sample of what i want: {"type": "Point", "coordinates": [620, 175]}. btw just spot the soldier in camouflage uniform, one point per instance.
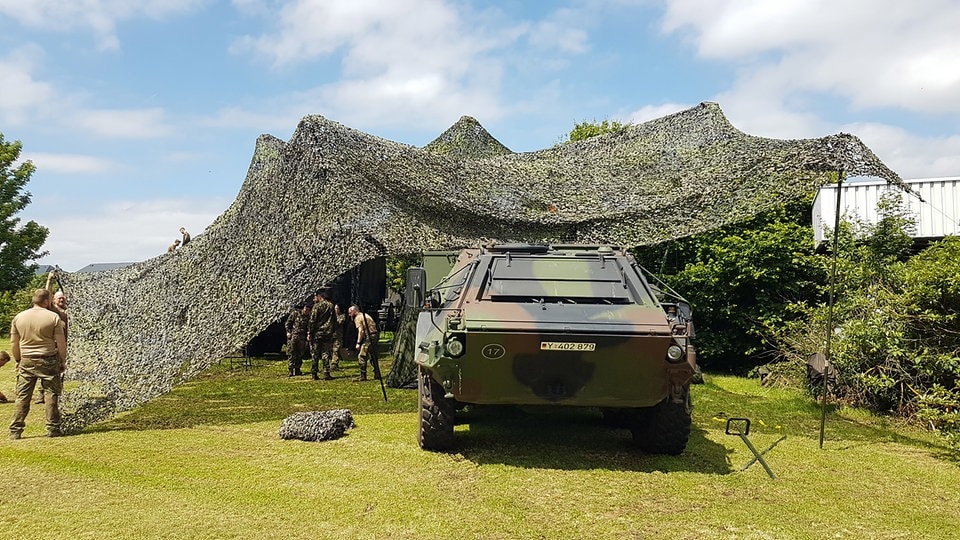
{"type": "Point", "coordinates": [338, 319]}
{"type": "Point", "coordinates": [320, 335]}
{"type": "Point", "coordinates": [297, 326]}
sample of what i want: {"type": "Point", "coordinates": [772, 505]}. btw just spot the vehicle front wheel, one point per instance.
{"type": "Point", "coordinates": [663, 428]}
{"type": "Point", "coordinates": [436, 414]}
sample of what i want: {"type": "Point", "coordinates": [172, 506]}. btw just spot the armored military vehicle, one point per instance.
{"type": "Point", "coordinates": [518, 324]}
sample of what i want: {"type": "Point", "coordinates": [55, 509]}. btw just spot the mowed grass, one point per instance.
{"type": "Point", "coordinates": [206, 461]}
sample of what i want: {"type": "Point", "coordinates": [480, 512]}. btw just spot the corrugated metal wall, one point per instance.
{"type": "Point", "coordinates": [937, 215]}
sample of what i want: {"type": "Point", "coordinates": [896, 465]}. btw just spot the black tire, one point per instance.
{"type": "Point", "coordinates": [663, 428]}
{"type": "Point", "coordinates": [436, 414]}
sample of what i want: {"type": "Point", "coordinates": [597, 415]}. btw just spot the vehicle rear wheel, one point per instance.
{"type": "Point", "coordinates": [663, 428]}
{"type": "Point", "coordinates": [436, 414]}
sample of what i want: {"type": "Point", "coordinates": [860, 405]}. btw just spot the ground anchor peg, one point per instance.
{"type": "Point", "coordinates": [741, 428]}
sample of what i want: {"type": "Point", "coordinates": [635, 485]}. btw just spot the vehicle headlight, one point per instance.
{"type": "Point", "coordinates": [454, 346]}
{"type": "Point", "coordinates": [674, 353]}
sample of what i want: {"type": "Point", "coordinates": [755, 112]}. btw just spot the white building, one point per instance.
{"type": "Point", "coordinates": [937, 214]}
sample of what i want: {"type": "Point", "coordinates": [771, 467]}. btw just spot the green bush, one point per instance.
{"type": "Point", "coordinates": [896, 323]}
{"type": "Point", "coordinates": [743, 280]}
{"type": "Point", "coordinates": [13, 302]}
{"type": "Point", "coordinates": [939, 409]}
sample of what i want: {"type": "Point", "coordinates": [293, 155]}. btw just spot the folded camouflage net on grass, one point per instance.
{"type": "Point", "coordinates": [317, 425]}
{"type": "Point", "coordinates": [332, 197]}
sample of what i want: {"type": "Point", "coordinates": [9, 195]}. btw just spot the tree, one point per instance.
{"type": "Point", "coordinates": [743, 281]}
{"type": "Point", "coordinates": [13, 302]}
{"type": "Point", "coordinates": [585, 130]}
{"type": "Point", "coordinates": [18, 244]}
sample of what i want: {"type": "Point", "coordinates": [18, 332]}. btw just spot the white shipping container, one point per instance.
{"type": "Point", "coordinates": [937, 215]}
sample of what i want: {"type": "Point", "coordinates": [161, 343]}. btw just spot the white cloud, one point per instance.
{"type": "Point", "coordinates": [561, 32]}
{"type": "Point", "coordinates": [407, 62]}
{"type": "Point", "coordinates": [651, 112]}
{"type": "Point", "coordinates": [23, 94]}
{"type": "Point", "coordinates": [122, 123]}
{"type": "Point", "coordinates": [756, 108]}
{"type": "Point", "coordinates": [406, 101]}
{"type": "Point", "coordinates": [893, 54]}
{"type": "Point", "coordinates": [121, 231]}
{"type": "Point", "coordinates": [910, 155]}
{"type": "Point", "coordinates": [308, 30]}
{"type": "Point", "coordinates": [26, 99]}
{"type": "Point", "coordinates": [793, 57]}
{"type": "Point", "coordinates": [278, 116]}
{"type": "Point", "coordinates": [97, 16]}
{"type": "Point", "coordinates": [70, 163]}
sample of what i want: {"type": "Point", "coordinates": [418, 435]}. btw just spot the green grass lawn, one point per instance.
{"type": "Point", "coordinates": [206, 461]}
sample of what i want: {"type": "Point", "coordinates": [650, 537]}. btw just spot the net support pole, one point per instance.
{"type": "Point", "coordinates": [828, 357]}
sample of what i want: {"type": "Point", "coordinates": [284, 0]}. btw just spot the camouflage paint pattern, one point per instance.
{"type": "Point", "coordinates": [568, 326]}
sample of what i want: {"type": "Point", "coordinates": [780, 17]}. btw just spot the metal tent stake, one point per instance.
{"type": "Point", "coordinates": [741, 428]}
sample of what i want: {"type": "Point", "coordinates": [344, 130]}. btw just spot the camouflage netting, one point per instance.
{"type": "Point", "coordinates": [332, 197]}
{"type": "Point", "coordinates": [317, 425]}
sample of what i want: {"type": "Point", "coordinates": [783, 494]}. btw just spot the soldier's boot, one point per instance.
{"type": "Point", "coordinates": [290, 371]}
{"type": "Point", "coordinates": [316, 377]}
{"type": "Point", "coordinates": [335, 365]}
{"type": "Point", "coordinates": [326, 376]}
{"type": "Point", "coordinates": [297, 372]}
{"type": "Point", "coordinates": [362, 377]}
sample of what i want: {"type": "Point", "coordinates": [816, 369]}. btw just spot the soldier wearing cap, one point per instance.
{"type": "Point", "coordinates": [39, 347]}
{"type": "Point", "coordinates": [297, 325]}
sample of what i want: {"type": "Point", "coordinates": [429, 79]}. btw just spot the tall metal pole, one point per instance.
{"type": "Point", "coordinates": [828, 358]}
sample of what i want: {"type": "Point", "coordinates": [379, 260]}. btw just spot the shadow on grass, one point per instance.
{"type": "Point", "coordinates": [853, 433]}
{"type": "Point", "coordinates": [573, 439]}
{"type": "Point", "coordinates": [799, 414]}
{"type": "Point", "coordinates": [224, 395]}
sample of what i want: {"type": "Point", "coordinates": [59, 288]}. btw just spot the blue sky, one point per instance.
{"type": "Point", "coordinates": [141, 116]}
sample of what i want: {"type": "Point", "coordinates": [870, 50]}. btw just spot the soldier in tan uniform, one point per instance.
{"type": "Point", "coordinates": [368, 336]}
{"type": "Point", "coordinates": [59, 306]}
{"type": "Point", "coordinates": [39, 347]}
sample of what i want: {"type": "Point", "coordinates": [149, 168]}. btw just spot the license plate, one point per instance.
{"type": "Point", "coordinates": [567, 346]}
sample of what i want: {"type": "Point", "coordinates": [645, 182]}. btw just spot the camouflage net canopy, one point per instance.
{"type": "Point", "coordinates": [332, 197]}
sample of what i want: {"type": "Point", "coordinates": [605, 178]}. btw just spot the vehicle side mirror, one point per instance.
{"type": "Point", "coordinates": [685, 311]}
{"type": "Point", "coordinates": [416, 287]}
